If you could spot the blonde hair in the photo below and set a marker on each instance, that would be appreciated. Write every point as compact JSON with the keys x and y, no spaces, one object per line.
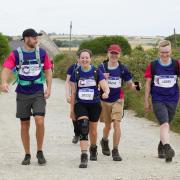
{"x":164,"y":43}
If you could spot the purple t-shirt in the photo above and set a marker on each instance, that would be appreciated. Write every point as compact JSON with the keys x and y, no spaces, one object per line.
{"x":87,"y":89}
{"x":116,"y":76}
{"x":165,"y":87}
{"x":30,"y":70}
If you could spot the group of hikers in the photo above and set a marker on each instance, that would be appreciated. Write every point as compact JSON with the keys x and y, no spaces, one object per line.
{"x":94,"y":93}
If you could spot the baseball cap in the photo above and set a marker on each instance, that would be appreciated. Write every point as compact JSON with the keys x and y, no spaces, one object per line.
{"x":114,"y":48}
{"x":30,"y":33}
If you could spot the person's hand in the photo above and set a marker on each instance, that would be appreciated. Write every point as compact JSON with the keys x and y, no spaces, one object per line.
{"x":105,"y":95}
{"x":68,"y":99}
{"x":72,"y":115}
{"x":5,"y":87}
{"x":147,"y":107}
{"x":47,"y":93}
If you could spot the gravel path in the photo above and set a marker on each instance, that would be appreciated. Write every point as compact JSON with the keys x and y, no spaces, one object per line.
{"x":138,"y":147}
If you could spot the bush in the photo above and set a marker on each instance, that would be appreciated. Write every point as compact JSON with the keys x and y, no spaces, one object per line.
{"x":4,"y":47}
{"x":100,"y":45}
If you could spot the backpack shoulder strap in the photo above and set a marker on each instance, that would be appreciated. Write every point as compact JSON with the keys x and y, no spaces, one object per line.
{"x":21,"y":59}
{"x":176,"y":66}
{"x":77,"y":76}
{"x":153,"y":70}
{"x":105,"y":65}
{"x":153,"y":67}
{"x":37,"y":52}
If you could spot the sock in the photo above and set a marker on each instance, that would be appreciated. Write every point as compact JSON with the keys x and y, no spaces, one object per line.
{"x":115,"y":146}
{"x":93,"y":145}
{"x":105,"y":138}
{"x":84,"y":151}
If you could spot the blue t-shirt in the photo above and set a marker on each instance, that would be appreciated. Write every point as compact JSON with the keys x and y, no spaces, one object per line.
{"x":116,"y":76}
{"x":72,"y":68}
{"x":165,"y":87}
{"x":30,"y":71}
{"x":87,"y":89}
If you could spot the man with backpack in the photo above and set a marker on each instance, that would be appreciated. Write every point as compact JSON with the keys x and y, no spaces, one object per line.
{"x":33,"y":68}
{"x":161,"y":83}
{"x":112,"y":107}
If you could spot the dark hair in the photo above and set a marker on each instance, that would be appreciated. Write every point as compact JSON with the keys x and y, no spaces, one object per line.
{"x":84,"y":50}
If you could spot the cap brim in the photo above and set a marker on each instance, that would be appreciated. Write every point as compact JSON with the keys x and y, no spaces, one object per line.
{"x":117,"y":52}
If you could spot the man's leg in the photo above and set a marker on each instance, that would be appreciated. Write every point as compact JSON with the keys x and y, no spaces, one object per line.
{"x":106,"y":119}
{"x":39,"y":120}
{"x":25,"y":125}
{"x":117,"y":113}
{"x":164,"y":133}
{"x":23,"y":113}
{"x":106,"y":130}
{"x":161,"y":111}
{"x":116,"y":134}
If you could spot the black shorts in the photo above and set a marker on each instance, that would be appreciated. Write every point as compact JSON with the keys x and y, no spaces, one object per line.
{"x":92,"y":111}
{"x":28,"y":105}
{"x":164,"y":112}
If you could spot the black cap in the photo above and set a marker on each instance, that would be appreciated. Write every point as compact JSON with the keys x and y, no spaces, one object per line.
{"x":30,"y":33}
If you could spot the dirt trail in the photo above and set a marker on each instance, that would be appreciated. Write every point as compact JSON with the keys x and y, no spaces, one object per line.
{"x":138,"y":147}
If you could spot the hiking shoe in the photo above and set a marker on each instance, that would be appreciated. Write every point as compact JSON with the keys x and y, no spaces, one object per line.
{"x":84,"y":161}
{"x":27,"y":160}
{"x":75,"y":139}
{"x":93,"y":153}
{"x":41,"y":158}
{"x":161,"y":154}
{"x":169,"y":152}
{"x":105,"y":147}
{"x":115,"y":155}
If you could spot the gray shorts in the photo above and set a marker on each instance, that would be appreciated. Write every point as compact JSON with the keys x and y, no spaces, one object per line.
{"x":164,"y":111}
{"x":28,"y":105}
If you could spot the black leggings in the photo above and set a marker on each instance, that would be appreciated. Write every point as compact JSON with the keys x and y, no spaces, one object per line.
{"x":76,"y":128}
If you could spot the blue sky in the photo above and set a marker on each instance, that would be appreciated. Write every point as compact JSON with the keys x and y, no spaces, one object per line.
{"x":111,"y":17}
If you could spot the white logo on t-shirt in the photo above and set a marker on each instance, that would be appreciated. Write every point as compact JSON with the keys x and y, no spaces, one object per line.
{"x":86,"y":83}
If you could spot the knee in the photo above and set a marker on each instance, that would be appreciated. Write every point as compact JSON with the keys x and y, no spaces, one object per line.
{"x":84,"y":129}
{"x":108,"y":127}
{"x":39,"y":122}
{"x":165,"y":125}
{"x":116,"y":126}
{"x":25,"y":125}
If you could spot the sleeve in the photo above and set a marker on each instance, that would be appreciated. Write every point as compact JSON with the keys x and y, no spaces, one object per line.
{"x":127,"y":75}
{"x":179,"y":65}
{"x":47,"y":62}
{"x":70,"y":70}
{"x":101,"y":68}
{"x":10,"y":62}
{"x":147,"y":73}
{"x":73,"y":78}
{"x":100,"y":75}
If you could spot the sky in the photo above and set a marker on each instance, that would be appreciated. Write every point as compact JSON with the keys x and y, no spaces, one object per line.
{"x":94,"y":17}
